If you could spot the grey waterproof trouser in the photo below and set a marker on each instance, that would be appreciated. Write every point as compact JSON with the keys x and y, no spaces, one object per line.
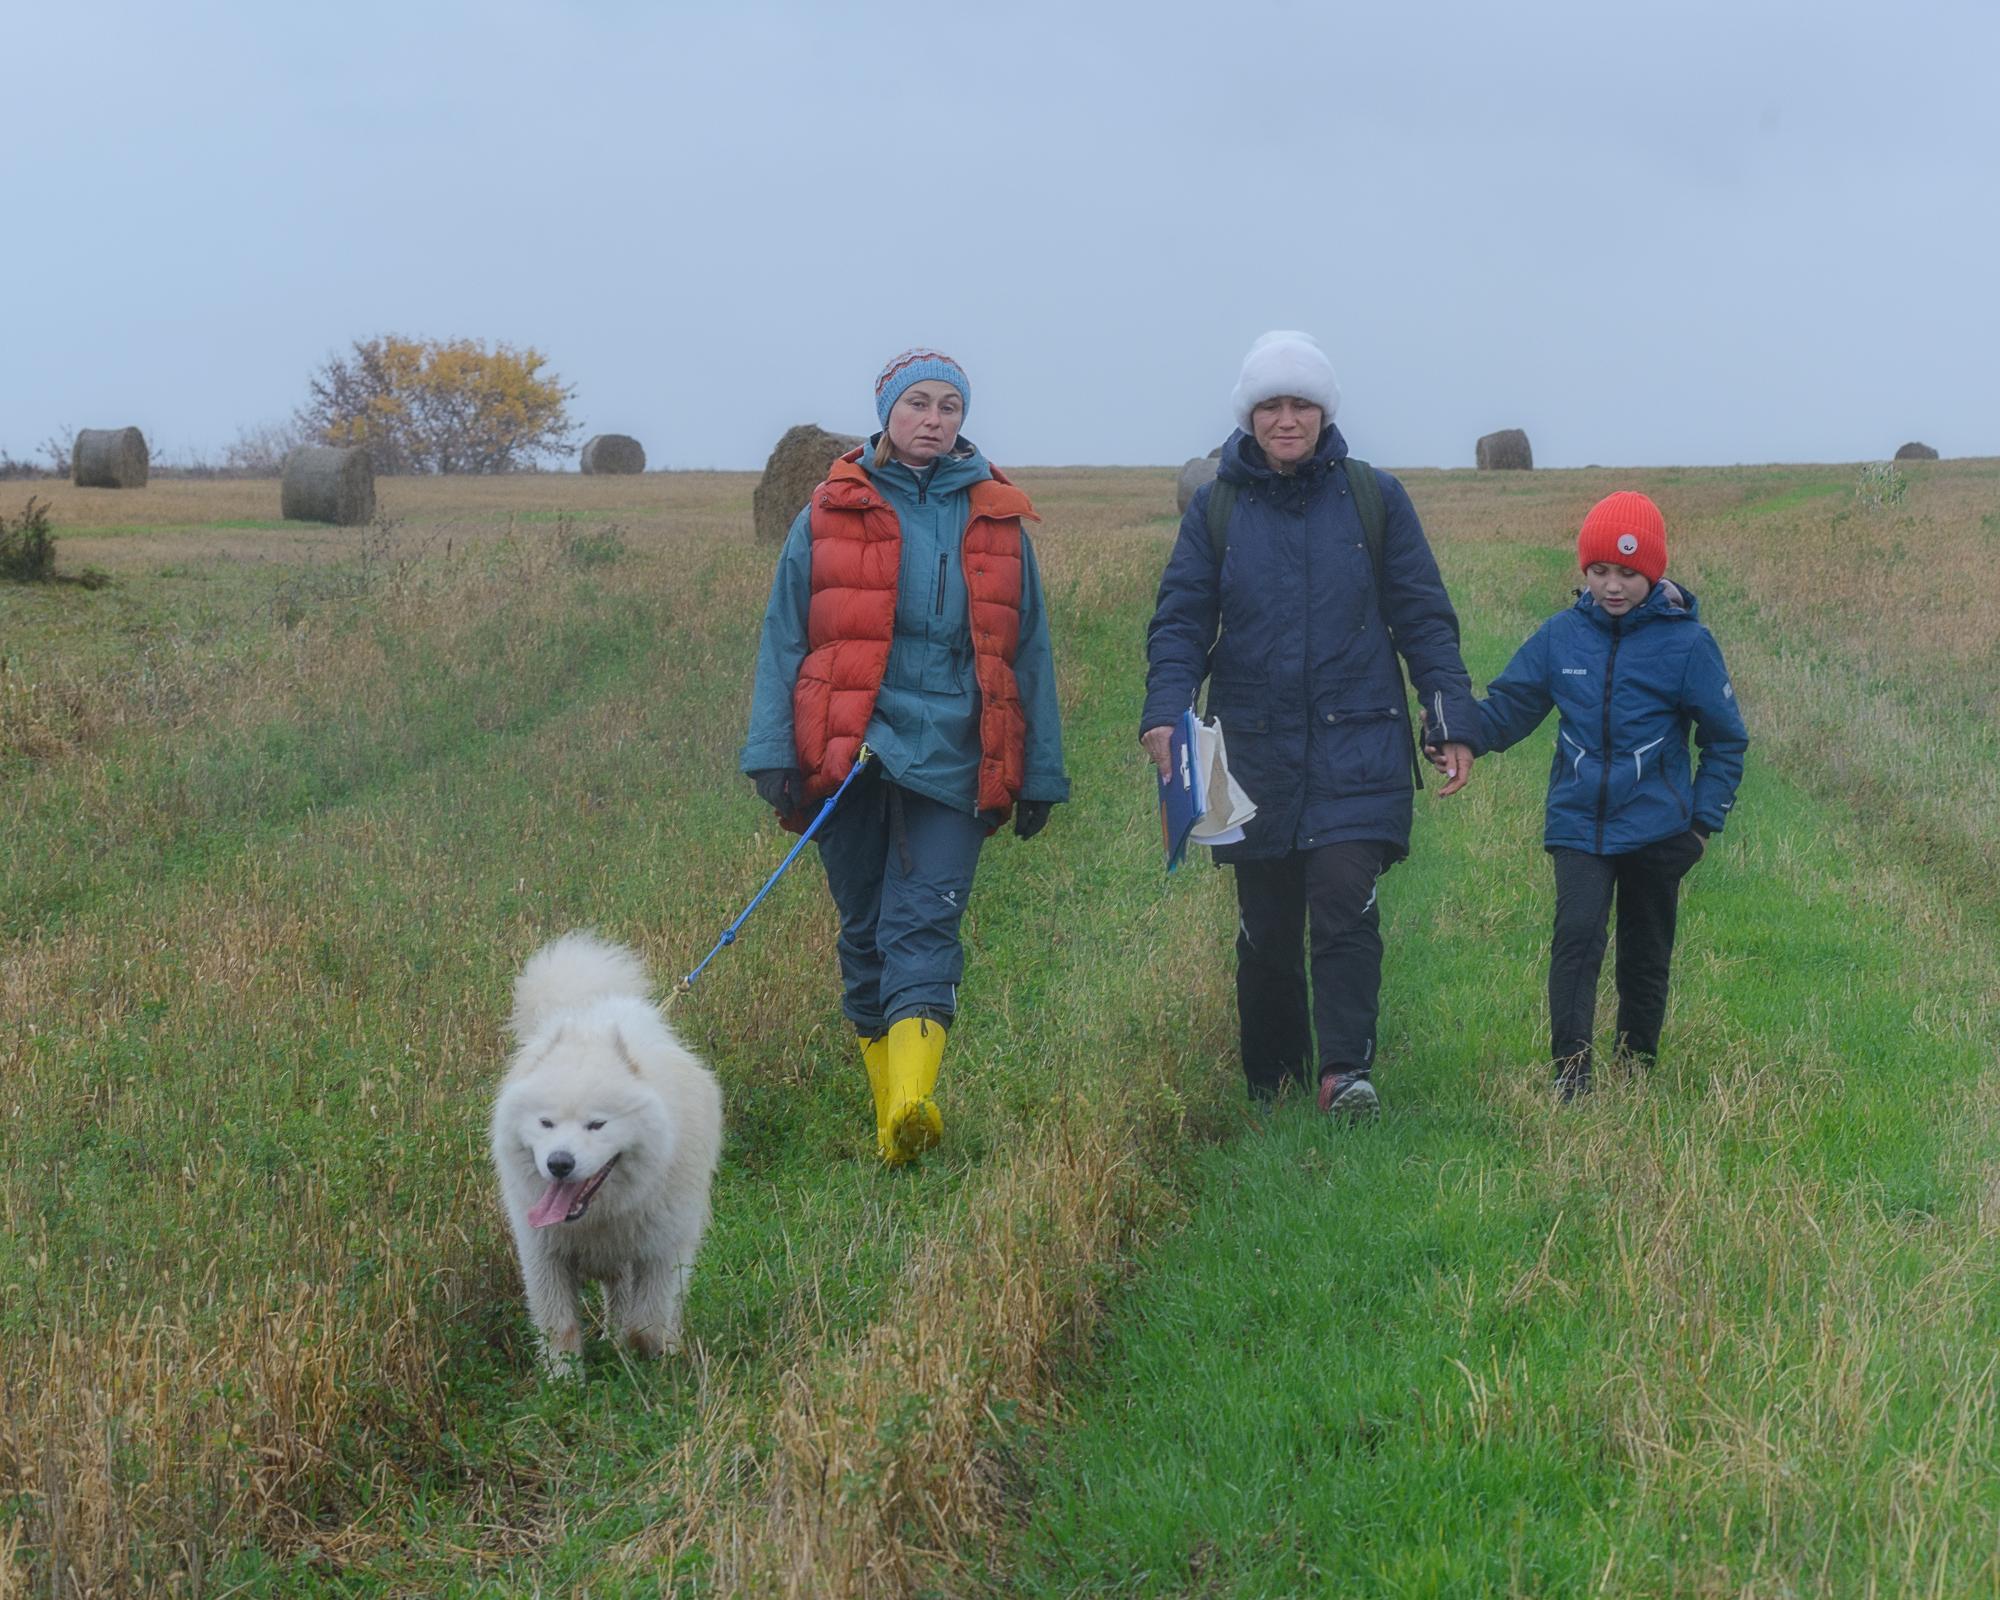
{"x":900,"y":867}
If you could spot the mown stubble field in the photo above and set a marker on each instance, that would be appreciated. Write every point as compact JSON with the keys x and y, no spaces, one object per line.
{"x":285,"y":809}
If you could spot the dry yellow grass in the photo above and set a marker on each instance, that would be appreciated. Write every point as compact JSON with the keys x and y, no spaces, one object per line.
{"x":887,"y":1458}
{"x":187,"y":519}
{"x":195,"y":1393}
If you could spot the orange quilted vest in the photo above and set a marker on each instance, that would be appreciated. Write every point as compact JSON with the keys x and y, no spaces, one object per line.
{"x":857,"y":554}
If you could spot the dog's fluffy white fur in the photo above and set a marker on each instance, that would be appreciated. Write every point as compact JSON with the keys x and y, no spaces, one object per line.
{"x":605,"y":1137}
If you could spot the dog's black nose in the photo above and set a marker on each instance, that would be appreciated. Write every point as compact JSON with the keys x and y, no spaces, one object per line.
{"x":561,"y":1163}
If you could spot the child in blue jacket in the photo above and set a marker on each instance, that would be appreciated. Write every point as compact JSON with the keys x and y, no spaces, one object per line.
{"x":1630,"y":671}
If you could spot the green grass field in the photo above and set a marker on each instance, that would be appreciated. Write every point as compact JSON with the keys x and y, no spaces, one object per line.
{"x":284,"y":810}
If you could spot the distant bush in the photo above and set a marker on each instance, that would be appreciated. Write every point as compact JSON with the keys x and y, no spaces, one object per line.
{"x":28,"y":551}
{"x":27,"y":548}
{"x":55,"y":448}
{"x":431,"y":405}
{"x":260,"y":452}
{"x":1879,"y":485}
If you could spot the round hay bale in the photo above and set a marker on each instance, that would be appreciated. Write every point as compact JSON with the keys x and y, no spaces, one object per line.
{"x":109,"y":458}
{"x":613,"y":452}
{"x":1505,"y":451}
{"x":1916,"y":451}
{"x":325,"y":484}
{"x":791,"y":475}
{"x":1193,"y":475}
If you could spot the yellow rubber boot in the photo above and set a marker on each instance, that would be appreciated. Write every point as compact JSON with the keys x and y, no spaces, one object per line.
{"x":875,"y":1059}
{"x":915,"y":1048}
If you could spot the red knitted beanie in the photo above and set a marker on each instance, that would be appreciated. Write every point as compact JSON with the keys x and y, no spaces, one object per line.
{"x":1627,"y":530}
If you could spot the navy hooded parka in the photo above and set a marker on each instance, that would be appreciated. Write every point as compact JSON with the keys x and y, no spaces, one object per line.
{"x":1628,"y":691}
{"x":1293,"y":638}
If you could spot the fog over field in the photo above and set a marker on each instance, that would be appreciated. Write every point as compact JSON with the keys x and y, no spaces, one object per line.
{"x":1688,"y":233}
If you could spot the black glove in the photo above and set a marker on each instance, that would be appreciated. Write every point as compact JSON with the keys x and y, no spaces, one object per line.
{"x":1030,"y":817}
{"x":783,"y":789}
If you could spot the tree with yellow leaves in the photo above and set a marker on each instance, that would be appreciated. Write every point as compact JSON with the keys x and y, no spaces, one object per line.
{"x":441,"y":405}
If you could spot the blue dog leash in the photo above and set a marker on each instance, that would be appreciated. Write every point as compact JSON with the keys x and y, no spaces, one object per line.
{"x":861,"y":759}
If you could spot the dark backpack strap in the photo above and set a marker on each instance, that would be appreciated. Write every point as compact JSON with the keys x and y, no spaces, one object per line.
{"x":1221,"y":501}
{"x":1367,"y":492}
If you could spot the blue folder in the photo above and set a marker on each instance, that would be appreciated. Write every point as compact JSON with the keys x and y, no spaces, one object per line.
{"x":1183,"y":793}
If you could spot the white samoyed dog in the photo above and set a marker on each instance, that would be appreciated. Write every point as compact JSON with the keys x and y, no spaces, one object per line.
{"x":606,"y":1134}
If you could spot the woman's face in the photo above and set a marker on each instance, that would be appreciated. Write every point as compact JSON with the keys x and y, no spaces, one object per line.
{"x":1286,"y":429}
{"x":924,"y":421}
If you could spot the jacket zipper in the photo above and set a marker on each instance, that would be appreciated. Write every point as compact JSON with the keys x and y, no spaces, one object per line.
{"x":938,"y":609}
{"x":1604,"y":758}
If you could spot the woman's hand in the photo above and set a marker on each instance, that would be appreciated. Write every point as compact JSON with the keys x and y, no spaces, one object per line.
{"x":1030,"y":817}
{"x":781,"y":788}
{"x":1159,"y":744}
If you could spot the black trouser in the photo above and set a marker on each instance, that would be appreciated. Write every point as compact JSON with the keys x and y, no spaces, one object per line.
{"x":1336,"y":885}
{"x":1646,"y":884}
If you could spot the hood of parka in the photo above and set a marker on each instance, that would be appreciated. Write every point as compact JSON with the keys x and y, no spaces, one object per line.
{"x":1667,"y":602}
{"x":1245,"y":464}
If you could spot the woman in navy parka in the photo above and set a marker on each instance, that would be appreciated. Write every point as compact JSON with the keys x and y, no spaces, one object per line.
{"x":1293,"y":632}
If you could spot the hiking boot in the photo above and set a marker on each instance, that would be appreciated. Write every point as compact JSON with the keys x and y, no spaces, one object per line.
{"x":1636,"y":1064}
{"x":1572,"y":1081}
{"x":1348,"y":1095}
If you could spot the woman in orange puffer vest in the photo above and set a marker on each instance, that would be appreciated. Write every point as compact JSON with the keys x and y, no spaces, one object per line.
{"x":907,"y":615}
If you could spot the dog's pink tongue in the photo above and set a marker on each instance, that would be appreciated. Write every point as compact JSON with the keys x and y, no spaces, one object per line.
{"x":554,"y":1206}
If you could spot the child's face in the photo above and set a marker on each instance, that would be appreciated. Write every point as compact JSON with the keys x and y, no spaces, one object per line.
{"x":1617,"y":589}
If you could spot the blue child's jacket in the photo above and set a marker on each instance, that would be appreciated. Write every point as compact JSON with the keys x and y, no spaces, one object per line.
{"x":1627,"y":691}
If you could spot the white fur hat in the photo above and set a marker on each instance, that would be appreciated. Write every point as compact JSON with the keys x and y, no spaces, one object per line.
{"x":1285,"y":362}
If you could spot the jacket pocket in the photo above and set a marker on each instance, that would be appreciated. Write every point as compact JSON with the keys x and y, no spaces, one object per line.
{"x":1359,"y":749}
{"x":1576,"y":767}
{"x":1241,"y":700}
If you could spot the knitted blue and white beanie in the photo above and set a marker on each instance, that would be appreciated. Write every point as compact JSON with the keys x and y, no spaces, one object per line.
{"x":918,"y":366}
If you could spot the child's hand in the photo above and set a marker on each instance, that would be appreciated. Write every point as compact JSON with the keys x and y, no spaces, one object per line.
{"x":1454,"y":760}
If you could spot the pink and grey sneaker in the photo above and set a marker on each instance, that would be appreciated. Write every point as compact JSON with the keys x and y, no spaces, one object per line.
{"x":1348,"y":1095}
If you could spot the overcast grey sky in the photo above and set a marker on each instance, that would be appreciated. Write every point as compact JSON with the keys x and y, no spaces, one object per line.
{"x":1695,"y":232}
